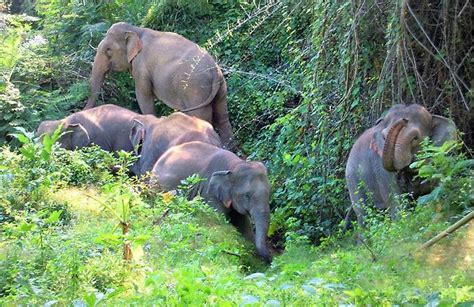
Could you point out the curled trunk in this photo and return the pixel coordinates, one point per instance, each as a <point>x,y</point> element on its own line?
<point>389,146</point>
<point>261,220</point>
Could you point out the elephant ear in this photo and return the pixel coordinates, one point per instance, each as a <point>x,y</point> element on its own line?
<point>137,135</point>
<point>134,45</point>
<point>79,137</point>
<point>443,129</point>
<point>220,187</point>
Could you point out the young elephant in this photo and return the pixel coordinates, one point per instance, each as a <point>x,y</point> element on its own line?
<point>387,149</point>
<point>108,126</point>
<point>168,67</point>
<point>114,128</point>
<point>152,136</point>
<point>237,188</point>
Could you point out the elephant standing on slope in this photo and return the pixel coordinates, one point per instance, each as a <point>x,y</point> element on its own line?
<point>166,66</point>
<point>387,149</point>
<point>152,136</point>
<point>114,128</point>
<point>237,188</point>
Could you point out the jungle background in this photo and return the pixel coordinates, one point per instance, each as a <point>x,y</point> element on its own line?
<point>304,78</point>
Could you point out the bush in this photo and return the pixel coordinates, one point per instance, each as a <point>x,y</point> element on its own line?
<point>304,78</point>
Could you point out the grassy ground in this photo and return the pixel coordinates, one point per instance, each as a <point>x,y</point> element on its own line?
<point>185,254</point>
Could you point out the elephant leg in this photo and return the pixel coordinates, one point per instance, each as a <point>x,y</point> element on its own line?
<point>145,97</point>
<point>204,113</point>
<point>389,190</point>
<point>348,219</point>
<point>220,119</point>
<point>360,213</point>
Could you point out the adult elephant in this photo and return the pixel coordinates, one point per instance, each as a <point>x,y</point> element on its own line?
<point>380,156</point>
<point>166,66</point>
<point>114,128</point>
<point>237,188</point>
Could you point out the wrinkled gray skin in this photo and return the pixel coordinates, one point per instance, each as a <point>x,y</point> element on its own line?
<point>387,149</point>
<point>237,188</point>
<point>152,136</point>
<point>166,66</point>
<point>114,128</point>
<point>108,126</point>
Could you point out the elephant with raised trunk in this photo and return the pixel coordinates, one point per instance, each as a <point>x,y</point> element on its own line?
<point>382,154</point>
<point>237,188</point>
<point>168,67</point>
<point>114,128</point>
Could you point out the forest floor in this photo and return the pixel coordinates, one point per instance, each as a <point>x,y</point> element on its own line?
<point>190,255</point>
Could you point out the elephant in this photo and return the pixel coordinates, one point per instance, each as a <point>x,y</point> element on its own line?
<point>152,136</point>
<point>114,128</point>
<point>238,189</point>
<point>168,67</point>
<point>380,157</point>
<point>107,126</point>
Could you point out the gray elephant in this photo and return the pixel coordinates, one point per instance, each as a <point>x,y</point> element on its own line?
<point>152,136</point>
<point>168,67</point>
<point>107,126</point>
<point>237,188</point>
<point>380,156</point>
<point>114,128</point>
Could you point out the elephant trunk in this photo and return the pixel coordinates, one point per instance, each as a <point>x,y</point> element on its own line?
<point>390,144</point>
<point>99,69</point>
<point>261,219</point>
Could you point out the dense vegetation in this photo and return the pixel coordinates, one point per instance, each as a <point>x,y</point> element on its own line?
<point>305,78</point>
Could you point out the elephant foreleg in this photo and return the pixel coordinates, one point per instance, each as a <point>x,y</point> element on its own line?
<point>145,97</point>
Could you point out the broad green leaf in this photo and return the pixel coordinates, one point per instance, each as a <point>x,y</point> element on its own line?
<point>54,217</point>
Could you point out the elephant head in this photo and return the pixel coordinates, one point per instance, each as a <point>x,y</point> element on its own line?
<point>246,190</point>
<point>73,135</point>
<point>403,129</point>
<point>115,52</point>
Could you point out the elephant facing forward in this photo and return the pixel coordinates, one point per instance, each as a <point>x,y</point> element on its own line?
<point>168,67</point>
<point>114,128</point>
<point>237,188</point>
<point>387,149</point>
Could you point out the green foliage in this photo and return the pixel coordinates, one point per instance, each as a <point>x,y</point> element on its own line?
<point>304,79</point>
<point>449,172</point>
<point>63,245</point>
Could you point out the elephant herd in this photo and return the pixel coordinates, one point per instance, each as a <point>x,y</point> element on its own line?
<point>168,67</point>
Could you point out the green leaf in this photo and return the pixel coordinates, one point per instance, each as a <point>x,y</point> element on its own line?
<point>21,137</point>
<point>90,299</point>
<point>426,171</point>
<point>54,217</point>
<point>25,227</point>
